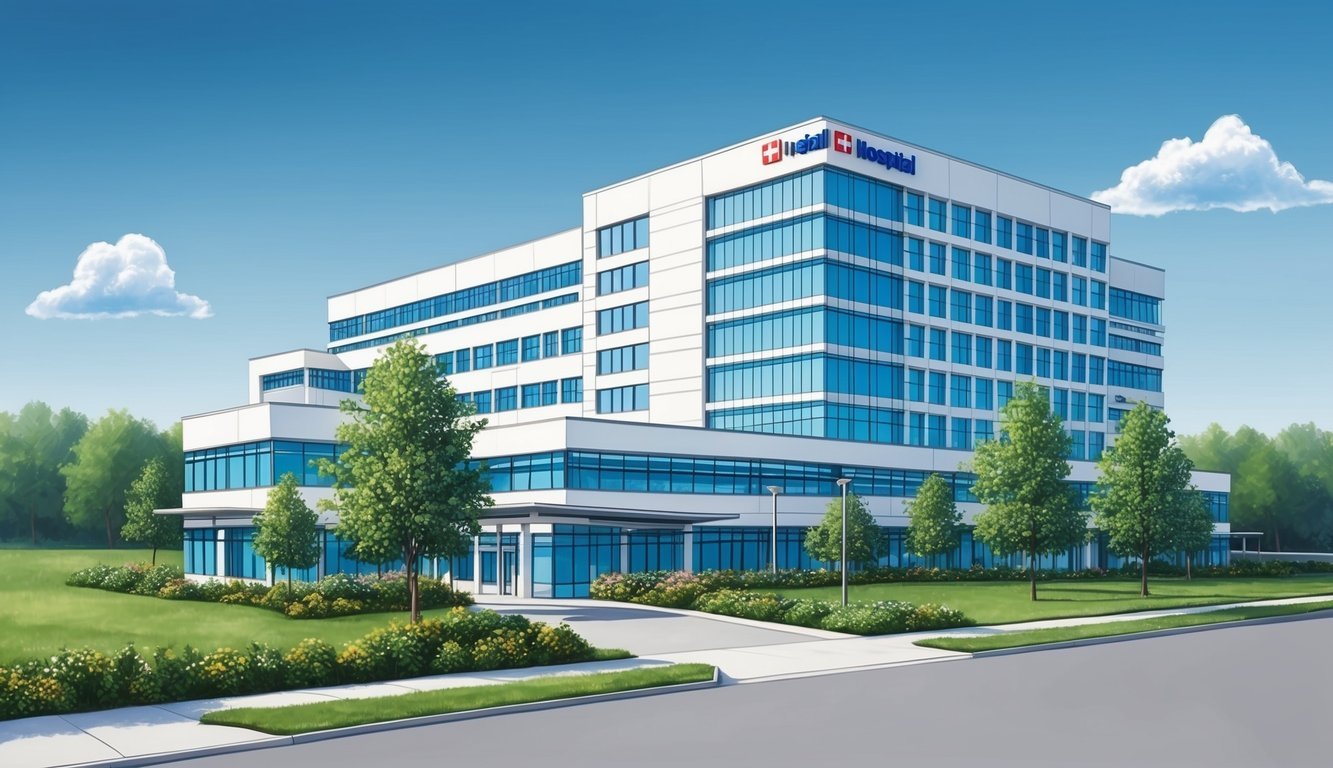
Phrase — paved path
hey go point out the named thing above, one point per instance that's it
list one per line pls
(771, 654)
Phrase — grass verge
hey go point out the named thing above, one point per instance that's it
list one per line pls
(303, 718)
(1109, 629)
(1003, 602)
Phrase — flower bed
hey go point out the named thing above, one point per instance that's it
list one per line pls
(717, 592)
(84, 679)
(336, 595)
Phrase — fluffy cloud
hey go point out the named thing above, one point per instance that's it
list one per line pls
(128, 279)
(1231, 167)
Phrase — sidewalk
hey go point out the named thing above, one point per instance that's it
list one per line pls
(138, 735)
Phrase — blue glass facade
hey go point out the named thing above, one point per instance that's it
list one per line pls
(256, 465)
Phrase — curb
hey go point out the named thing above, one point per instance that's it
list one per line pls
(268, 742)
(1149, 634)
(792, 629)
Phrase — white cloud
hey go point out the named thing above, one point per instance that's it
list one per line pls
(128, 279)
(1231, 168)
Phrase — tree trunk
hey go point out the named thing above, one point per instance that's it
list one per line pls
(1032, 569)
(289, 583)
(32, 522)
(1189, 562)
(1143, 571)
(110, 542)
(154, 555)
(1277, 539)
(410, 562)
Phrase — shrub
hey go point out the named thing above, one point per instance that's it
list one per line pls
(809, 613)
(224, 672)
(451, 658)
(557, 645)
(879, 618)
(760, 606)
(504, 648)
(311, 663)
(268, 668)
(157, 577)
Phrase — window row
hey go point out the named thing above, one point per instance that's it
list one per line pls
(624, 318)
(499, 291)
(510, 351)
(814, 419)
(623, 399)
(619, 359)
(619, 238)
(799, 327)
(1135, 345)
(816, 232)
(817, 186)
(256, 465)
(800, 374)
(1136, 306)
(803, 279)
(485, 317)
(534, 395)
(623, 278)
(1143, 377)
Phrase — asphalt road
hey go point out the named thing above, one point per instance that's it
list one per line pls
(1241, 696)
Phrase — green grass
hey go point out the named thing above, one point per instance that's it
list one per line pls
(39, 614)
(1001, 602)
(303, 718)
(1063, 634)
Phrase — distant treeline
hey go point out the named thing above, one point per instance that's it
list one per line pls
(64, 477)
(1281, 486)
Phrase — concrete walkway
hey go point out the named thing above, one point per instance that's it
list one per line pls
(144, 735)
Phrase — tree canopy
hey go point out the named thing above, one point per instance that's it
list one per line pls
(107, 459)
(404, 486)
(935, 522)
(287, 530)
(865, 539)
(1145, 501)
(152, 490)
(1021, 481)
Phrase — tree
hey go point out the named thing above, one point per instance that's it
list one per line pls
(404, 487)
(1021, 480)
(107, 459)
(151, 491)
(33, 447)
(1142, 500)
(287, 531)
(1193, 526)
(935, 521)
(865, 539)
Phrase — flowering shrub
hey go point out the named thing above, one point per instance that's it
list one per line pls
(336, 595)
(760, 606)
(84, 679)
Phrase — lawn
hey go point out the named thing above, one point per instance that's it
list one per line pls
(1002, 602)
(1109, 629)
(302, 718)
(39, 614)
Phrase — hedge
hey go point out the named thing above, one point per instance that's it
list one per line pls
(336, 595)
(84, 679)
(717, 592)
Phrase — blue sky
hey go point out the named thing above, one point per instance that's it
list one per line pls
(283, 152)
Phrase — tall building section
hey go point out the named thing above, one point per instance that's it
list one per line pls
(817, 303)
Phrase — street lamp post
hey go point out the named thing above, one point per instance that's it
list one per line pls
(773, 561)
(843, 483)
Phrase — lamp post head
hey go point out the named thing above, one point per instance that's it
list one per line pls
(775, 489)
(843, 482)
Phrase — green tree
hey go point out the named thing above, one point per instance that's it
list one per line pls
(934, 519)
(151, 491)
(1142, 496)
(404, 486)
(287, 531)
(33, 448)
(1192, 523)
(1021, 480)
(107, 459)
(865, 539)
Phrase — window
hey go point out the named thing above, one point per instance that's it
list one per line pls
(1098, 257)
(622, 399)
(935, 431)
(1004, 274)
(1004, 232)
(1077, 405)
(1060, 403)
(1078, 367)
(1133, 376)
(1058, 247)
(1043, 243)
(1098, 335)
(1024, 366)
(937, 297)
(916, 341)
(1043, 322)
(981, 226)
(961, 437)
(1023, 314)
(1023, 278)
(1096, 404)
(481, 357)
(1043, 283)
(625, 236)
(445, 364)
(985, 400)
(1060, 321)
(571, 341)
(483, 401)
(916, 385)
(960, 391)
(1080, 254)
(1080, 329)
(960, 308)
(1044, 362)
(617, 319)
(294, 378)
(548, 392)
(962, 221)
(1141, 346)
(1098, 295)
(1025, 237)
(937, 258)
(532, 395)
(915, 209)
(983, 429)
(506, 399)
(631, 358)
(916, 254)
(981, 269)
(962, 348)
(981, 310)
(622, 279)
(1004, 392)
(323, 378)
(937, 215)
(1097, 369)
(506, 352)
(983, 352)
(916, 297)
(1096, 445)
(1003, 355)
(1079, 292)
(571, 390)
(1004, 315)
(1136, 306)
(937, 388)
(550, 344)
(938, 347)
(1060, 365)
(1058, 286)
(463, 360)
(962, 268)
